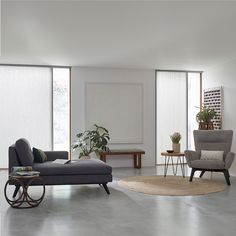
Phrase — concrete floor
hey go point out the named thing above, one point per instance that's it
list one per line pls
(88, 210)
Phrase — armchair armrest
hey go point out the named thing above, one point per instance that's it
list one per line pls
(191, 156)
(229, 160)
(53, 155)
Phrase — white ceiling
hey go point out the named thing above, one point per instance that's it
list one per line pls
(189, 35)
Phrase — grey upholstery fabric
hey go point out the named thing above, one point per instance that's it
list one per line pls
(191, 156)
(78, 172)
(13, 158)
(213, 140)
(75, 179)
(208, 164)
(229, 160)
(79, 167)
(53, 155)
(24, 152)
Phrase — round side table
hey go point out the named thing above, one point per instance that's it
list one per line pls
(180, 161)
(23, 183)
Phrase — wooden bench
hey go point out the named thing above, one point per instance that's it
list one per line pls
(136, 153)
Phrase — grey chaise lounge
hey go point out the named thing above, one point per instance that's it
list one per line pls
(76, 172)
(211, 140)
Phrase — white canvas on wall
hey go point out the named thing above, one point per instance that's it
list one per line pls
(118, 107)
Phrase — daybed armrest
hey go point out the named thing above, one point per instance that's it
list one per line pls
(229, 160)
(53, 155)
(191, 156)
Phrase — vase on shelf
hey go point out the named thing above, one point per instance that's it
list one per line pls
(176, 147)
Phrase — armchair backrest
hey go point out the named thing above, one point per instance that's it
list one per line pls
(213, 140)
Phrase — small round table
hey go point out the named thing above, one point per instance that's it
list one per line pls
(23, 182)
(180, 161)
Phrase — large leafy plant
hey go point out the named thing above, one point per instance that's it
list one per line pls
(206, 115)
(90, 141)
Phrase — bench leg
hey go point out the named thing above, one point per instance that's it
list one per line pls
(103, 158)
(135, 161)
(139, 161)
(106, 188)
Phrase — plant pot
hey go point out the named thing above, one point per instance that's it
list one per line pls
(176, 147)
(85, 158)
(206, 125)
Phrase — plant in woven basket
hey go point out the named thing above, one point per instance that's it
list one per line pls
(206, 115)
(90, 141)
(204, 118)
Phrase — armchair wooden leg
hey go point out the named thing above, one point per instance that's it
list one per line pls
(192, 174)
(202, 173)
(106, 188)
(226, 174)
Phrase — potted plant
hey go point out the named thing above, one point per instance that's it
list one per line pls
(175, 138)
(90, 141)
(204, 118)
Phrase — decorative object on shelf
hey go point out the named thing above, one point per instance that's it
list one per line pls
(90, 141)
(213, 99)
(175, 138)
(204, 118)
(170, 151)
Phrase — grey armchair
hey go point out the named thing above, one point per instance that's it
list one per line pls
(211, 140)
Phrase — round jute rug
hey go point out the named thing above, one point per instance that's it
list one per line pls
(171, 185)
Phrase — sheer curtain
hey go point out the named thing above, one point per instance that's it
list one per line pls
(193, 106)
(171, 92)
(26, 108)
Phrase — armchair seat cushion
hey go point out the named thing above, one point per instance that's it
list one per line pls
(79, 167)
(208, 164)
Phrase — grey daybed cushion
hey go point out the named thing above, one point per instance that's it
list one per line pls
(80, 167)
(24, 152)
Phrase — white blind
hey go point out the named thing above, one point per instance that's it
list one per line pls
(25, 108)
(171, 110)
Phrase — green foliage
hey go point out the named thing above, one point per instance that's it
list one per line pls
(206, 115)
(94, 140)
(175, 137)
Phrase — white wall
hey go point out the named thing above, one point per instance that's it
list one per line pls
(225, 75)
(82, 76)
(25, 108)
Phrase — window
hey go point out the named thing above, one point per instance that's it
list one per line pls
(177, 103)
(61, 109)
(26, 107)
(34, 104)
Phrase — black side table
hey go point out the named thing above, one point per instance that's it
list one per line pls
(180, 161)
(23, 200)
